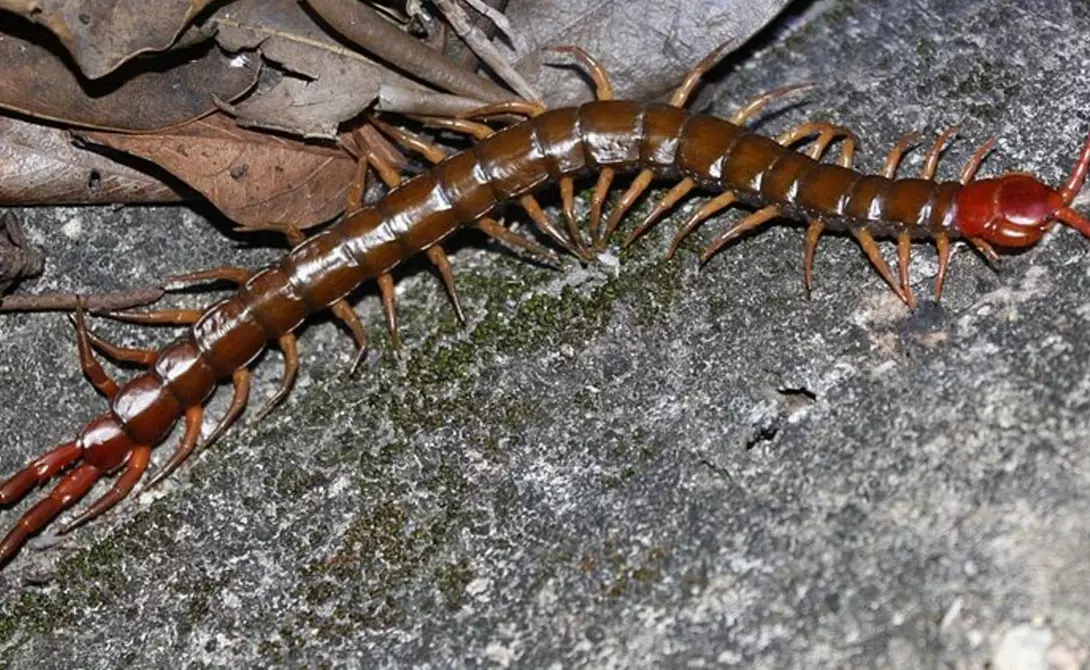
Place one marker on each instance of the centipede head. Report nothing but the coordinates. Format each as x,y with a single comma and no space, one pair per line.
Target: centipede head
1015,210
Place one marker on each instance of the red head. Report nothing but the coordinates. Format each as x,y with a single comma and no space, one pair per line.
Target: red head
1015,210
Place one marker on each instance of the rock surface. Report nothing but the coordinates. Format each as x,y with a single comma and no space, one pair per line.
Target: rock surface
636,463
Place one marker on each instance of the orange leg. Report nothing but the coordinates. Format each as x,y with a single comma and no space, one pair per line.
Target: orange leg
194,417
501,234
134,469
751,222
813,234
91,367
41,469
66,493
240,381
711,207
290,348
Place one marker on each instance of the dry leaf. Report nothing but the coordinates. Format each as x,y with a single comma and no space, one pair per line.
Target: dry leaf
38,83
17,260
253,178
326,83
103,35
364,26
42,167
646,47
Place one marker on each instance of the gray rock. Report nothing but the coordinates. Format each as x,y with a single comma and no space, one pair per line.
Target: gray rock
625,465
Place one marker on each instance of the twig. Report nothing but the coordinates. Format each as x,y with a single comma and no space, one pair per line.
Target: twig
499,20
484,49
360,24
95,302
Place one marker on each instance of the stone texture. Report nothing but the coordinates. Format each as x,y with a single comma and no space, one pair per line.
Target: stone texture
633,464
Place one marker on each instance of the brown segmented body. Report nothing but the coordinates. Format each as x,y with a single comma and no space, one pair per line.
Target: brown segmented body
662,140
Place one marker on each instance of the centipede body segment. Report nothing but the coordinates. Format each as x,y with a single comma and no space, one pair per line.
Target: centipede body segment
607,137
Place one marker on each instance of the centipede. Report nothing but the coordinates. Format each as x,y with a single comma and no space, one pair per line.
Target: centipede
659,141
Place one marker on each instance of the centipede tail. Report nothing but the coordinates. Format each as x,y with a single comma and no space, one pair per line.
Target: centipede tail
606,137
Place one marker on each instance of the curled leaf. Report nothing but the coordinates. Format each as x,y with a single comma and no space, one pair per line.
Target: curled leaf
41,166
324,84
101,36
38,83
364,26
253,178
17,260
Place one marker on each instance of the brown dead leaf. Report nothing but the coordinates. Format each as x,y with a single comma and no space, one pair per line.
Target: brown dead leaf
100,36
41,166
17,259
325,83
38,83
253,178
362,25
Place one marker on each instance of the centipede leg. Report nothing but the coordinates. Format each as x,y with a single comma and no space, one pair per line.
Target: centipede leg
543,223
474,129
439,258
977,158
630,196
672,197
527,108
233,275
904,238
501,234
904,262
813,234
135,466
874,254
100,379
567,205
389,307
692,78
289,347
411,141
754,106
162,317
240,381
897,154
931,162
711,207
603,88
194,417
346,315
826,133
66,493
989,252
679,98
43,468
137,356
601,192
755,220
942,240
944,247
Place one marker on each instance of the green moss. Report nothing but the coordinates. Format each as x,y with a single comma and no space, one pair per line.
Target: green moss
452,579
